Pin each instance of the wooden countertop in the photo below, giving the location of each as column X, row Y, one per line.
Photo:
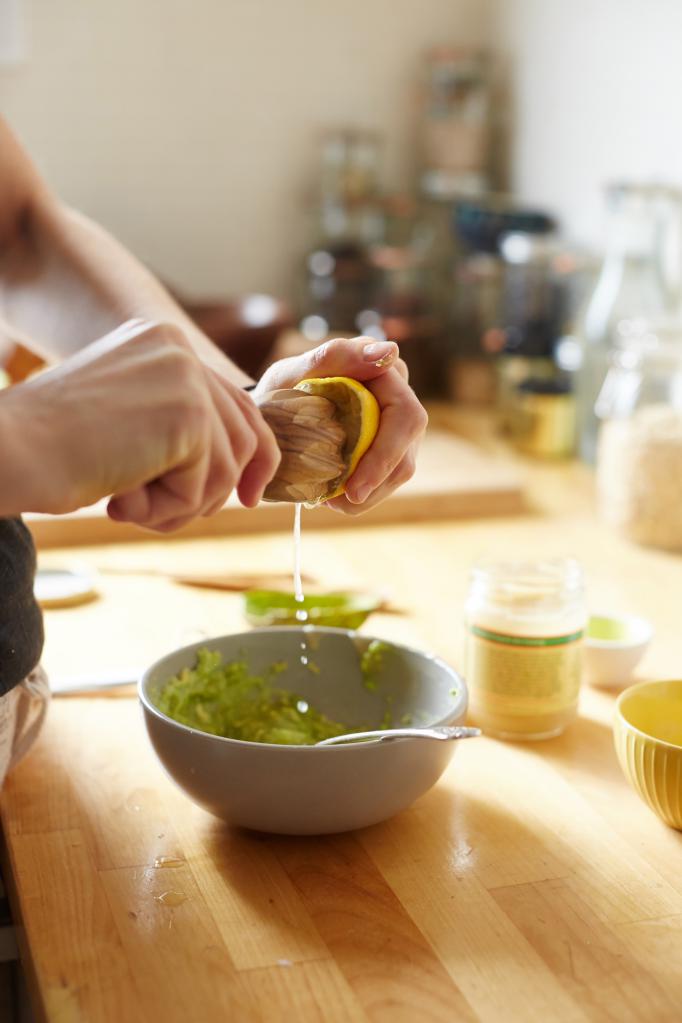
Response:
column 530, row 884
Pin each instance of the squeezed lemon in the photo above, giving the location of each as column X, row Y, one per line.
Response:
column 358, row 412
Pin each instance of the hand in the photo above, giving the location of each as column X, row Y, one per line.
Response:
column 390, row 461
column 138, row 416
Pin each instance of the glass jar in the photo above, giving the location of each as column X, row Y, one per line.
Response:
column 632, row 286
column 407, row 304
column 345, row 217
column 524, row 631
column 533, row 313
column 349, row 166
column 455, row 134
column 543, row 423
column 639, row 454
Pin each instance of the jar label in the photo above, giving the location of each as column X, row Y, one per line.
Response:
column 499, row 637
column 520, row 675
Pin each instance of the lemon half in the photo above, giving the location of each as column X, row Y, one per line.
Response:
column 358, row 412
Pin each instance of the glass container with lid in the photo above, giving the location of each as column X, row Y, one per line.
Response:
column 524, row 630
column 639, row 452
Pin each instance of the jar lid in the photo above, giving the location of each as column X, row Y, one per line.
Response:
column 549, row 387
column 481, row 225
column 528, row 588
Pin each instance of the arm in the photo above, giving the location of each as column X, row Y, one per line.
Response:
column 64, row 281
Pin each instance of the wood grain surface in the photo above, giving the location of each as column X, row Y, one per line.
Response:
column 531, row 884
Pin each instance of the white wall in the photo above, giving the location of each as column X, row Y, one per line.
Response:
column 596, row 96
column 188, row 127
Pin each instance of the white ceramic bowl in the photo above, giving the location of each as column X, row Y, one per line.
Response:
column 609, row 663
column 307, row 789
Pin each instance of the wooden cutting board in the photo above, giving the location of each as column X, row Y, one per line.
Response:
column 455, row 478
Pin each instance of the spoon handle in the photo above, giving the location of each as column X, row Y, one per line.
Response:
column 442, row 732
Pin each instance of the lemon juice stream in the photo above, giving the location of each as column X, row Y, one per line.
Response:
column 301, row 613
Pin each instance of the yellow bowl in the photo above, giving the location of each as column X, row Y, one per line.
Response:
column 648, row 736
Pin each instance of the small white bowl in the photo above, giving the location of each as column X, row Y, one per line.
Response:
column 610, row 661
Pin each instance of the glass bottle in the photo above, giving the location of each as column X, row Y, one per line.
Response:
column 639, row 452
column 524, row 631
column 631, row 288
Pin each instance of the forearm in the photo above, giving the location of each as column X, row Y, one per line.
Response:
column 64, row 281
column 72, row 282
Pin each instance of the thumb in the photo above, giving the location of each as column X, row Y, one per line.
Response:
column 361, row 358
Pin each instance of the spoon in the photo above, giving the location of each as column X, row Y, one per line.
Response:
column 442, row 732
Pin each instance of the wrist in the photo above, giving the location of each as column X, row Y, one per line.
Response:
column 28, row 472
column 215, row 359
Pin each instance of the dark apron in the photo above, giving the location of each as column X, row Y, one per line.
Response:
column 21, row 623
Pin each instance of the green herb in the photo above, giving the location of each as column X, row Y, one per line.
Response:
column 372, row 663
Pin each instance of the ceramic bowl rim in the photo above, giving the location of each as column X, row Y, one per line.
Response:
column 624, row 722
column 644, row 633
column 459, row 705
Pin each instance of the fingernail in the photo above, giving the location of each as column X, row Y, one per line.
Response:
column 360, row 493
column 379, row 352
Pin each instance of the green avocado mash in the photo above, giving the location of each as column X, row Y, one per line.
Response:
column 372, row 663
column 227, row 700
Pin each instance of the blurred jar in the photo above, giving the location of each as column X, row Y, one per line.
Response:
column 336, row 286
column 336, row 280
column 478, row 291
column 534, row 399
column 349, row 166
column 384, row 275
column 639, row 452
column 635, row 285
column 455, row 128
column 543, row 418
column 345, row 217
column 524, row 630
column 409, row 293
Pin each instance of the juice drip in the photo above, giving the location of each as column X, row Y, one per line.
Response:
column 168, row 861
column 171, row 898
column 301, row 613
